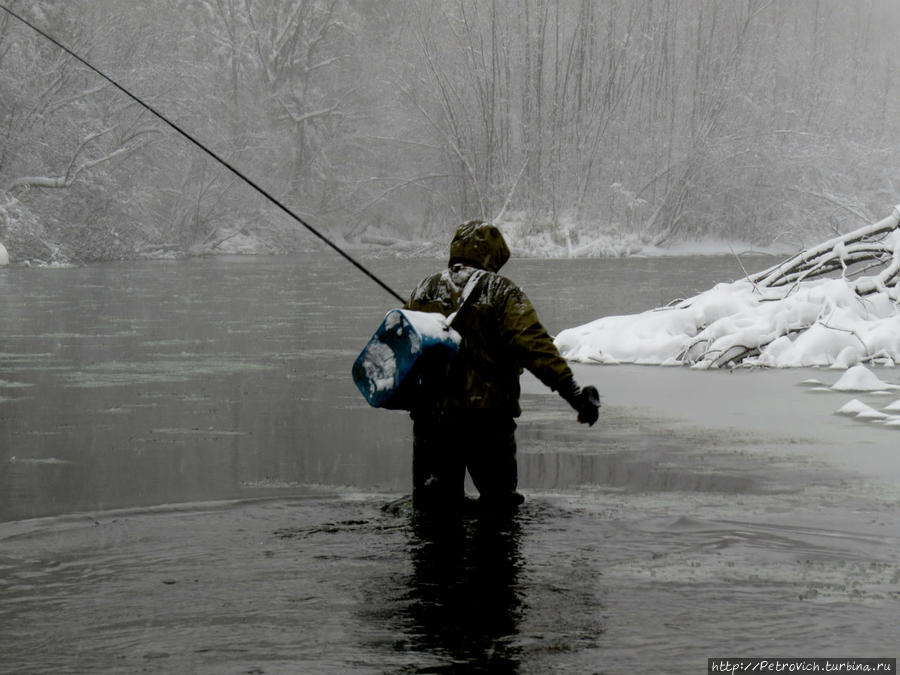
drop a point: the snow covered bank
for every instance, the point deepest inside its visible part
(820, 323)
(570, 239)
(564, 238)
(782, 317)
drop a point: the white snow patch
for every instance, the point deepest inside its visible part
(853, 407)
(380, 367)
(568, 237)
(893, 407)
(819, 323)
(860, 378)
(872, 414)
(432, 325)
(866, 413)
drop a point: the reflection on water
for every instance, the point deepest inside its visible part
(583, 581)
(464, 602)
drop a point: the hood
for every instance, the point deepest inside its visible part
(479, 244)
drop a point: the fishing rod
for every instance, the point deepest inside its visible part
(221, 160)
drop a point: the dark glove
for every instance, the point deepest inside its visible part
(585, 401)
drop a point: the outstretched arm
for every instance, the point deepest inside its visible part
(534, 349)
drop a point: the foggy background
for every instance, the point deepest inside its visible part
(657, 121)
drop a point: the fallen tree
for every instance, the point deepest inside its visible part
(836, 304)
(870, 247)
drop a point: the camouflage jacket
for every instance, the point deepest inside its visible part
(499, 326)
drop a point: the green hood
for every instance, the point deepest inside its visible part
(479, 244)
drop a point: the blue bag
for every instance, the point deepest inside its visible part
(407, 349)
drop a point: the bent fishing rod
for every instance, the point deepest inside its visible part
(221, 160)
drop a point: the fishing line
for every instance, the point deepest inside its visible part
(237, 172)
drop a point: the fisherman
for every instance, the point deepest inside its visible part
(467, 420)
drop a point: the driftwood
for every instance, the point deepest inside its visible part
(867, 248)
(868, 258)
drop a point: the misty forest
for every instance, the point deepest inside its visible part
(590, 127)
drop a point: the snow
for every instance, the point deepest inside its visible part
(380, 363)
(380, 367)
(242, 244)
(871, 415)
(4, 256)
(853, 407)
(833, 323)
(790, 315)
(432, 325)
(387, 358)
(428, 328)
(822, 323)
(570, 238)
(860, 378)
(866, 413)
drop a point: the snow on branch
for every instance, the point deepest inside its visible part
(836, 304)
(827, 256)
(78, 164)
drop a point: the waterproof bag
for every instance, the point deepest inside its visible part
(408, 351)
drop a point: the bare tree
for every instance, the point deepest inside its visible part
(662, 120)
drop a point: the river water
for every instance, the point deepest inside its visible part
(190, 482)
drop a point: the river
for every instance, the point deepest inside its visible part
(190, 482)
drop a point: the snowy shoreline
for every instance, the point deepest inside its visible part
(822, 324)
(791, 315)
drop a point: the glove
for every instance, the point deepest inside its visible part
(585, 401)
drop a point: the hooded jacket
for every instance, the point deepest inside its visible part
(500, 328)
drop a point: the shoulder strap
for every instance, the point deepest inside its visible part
(469, 288)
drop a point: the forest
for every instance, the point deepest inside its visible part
(592, 127)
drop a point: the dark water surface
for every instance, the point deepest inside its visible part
(190, 483)
(156, 382)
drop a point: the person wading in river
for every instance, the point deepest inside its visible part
(467, 418)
